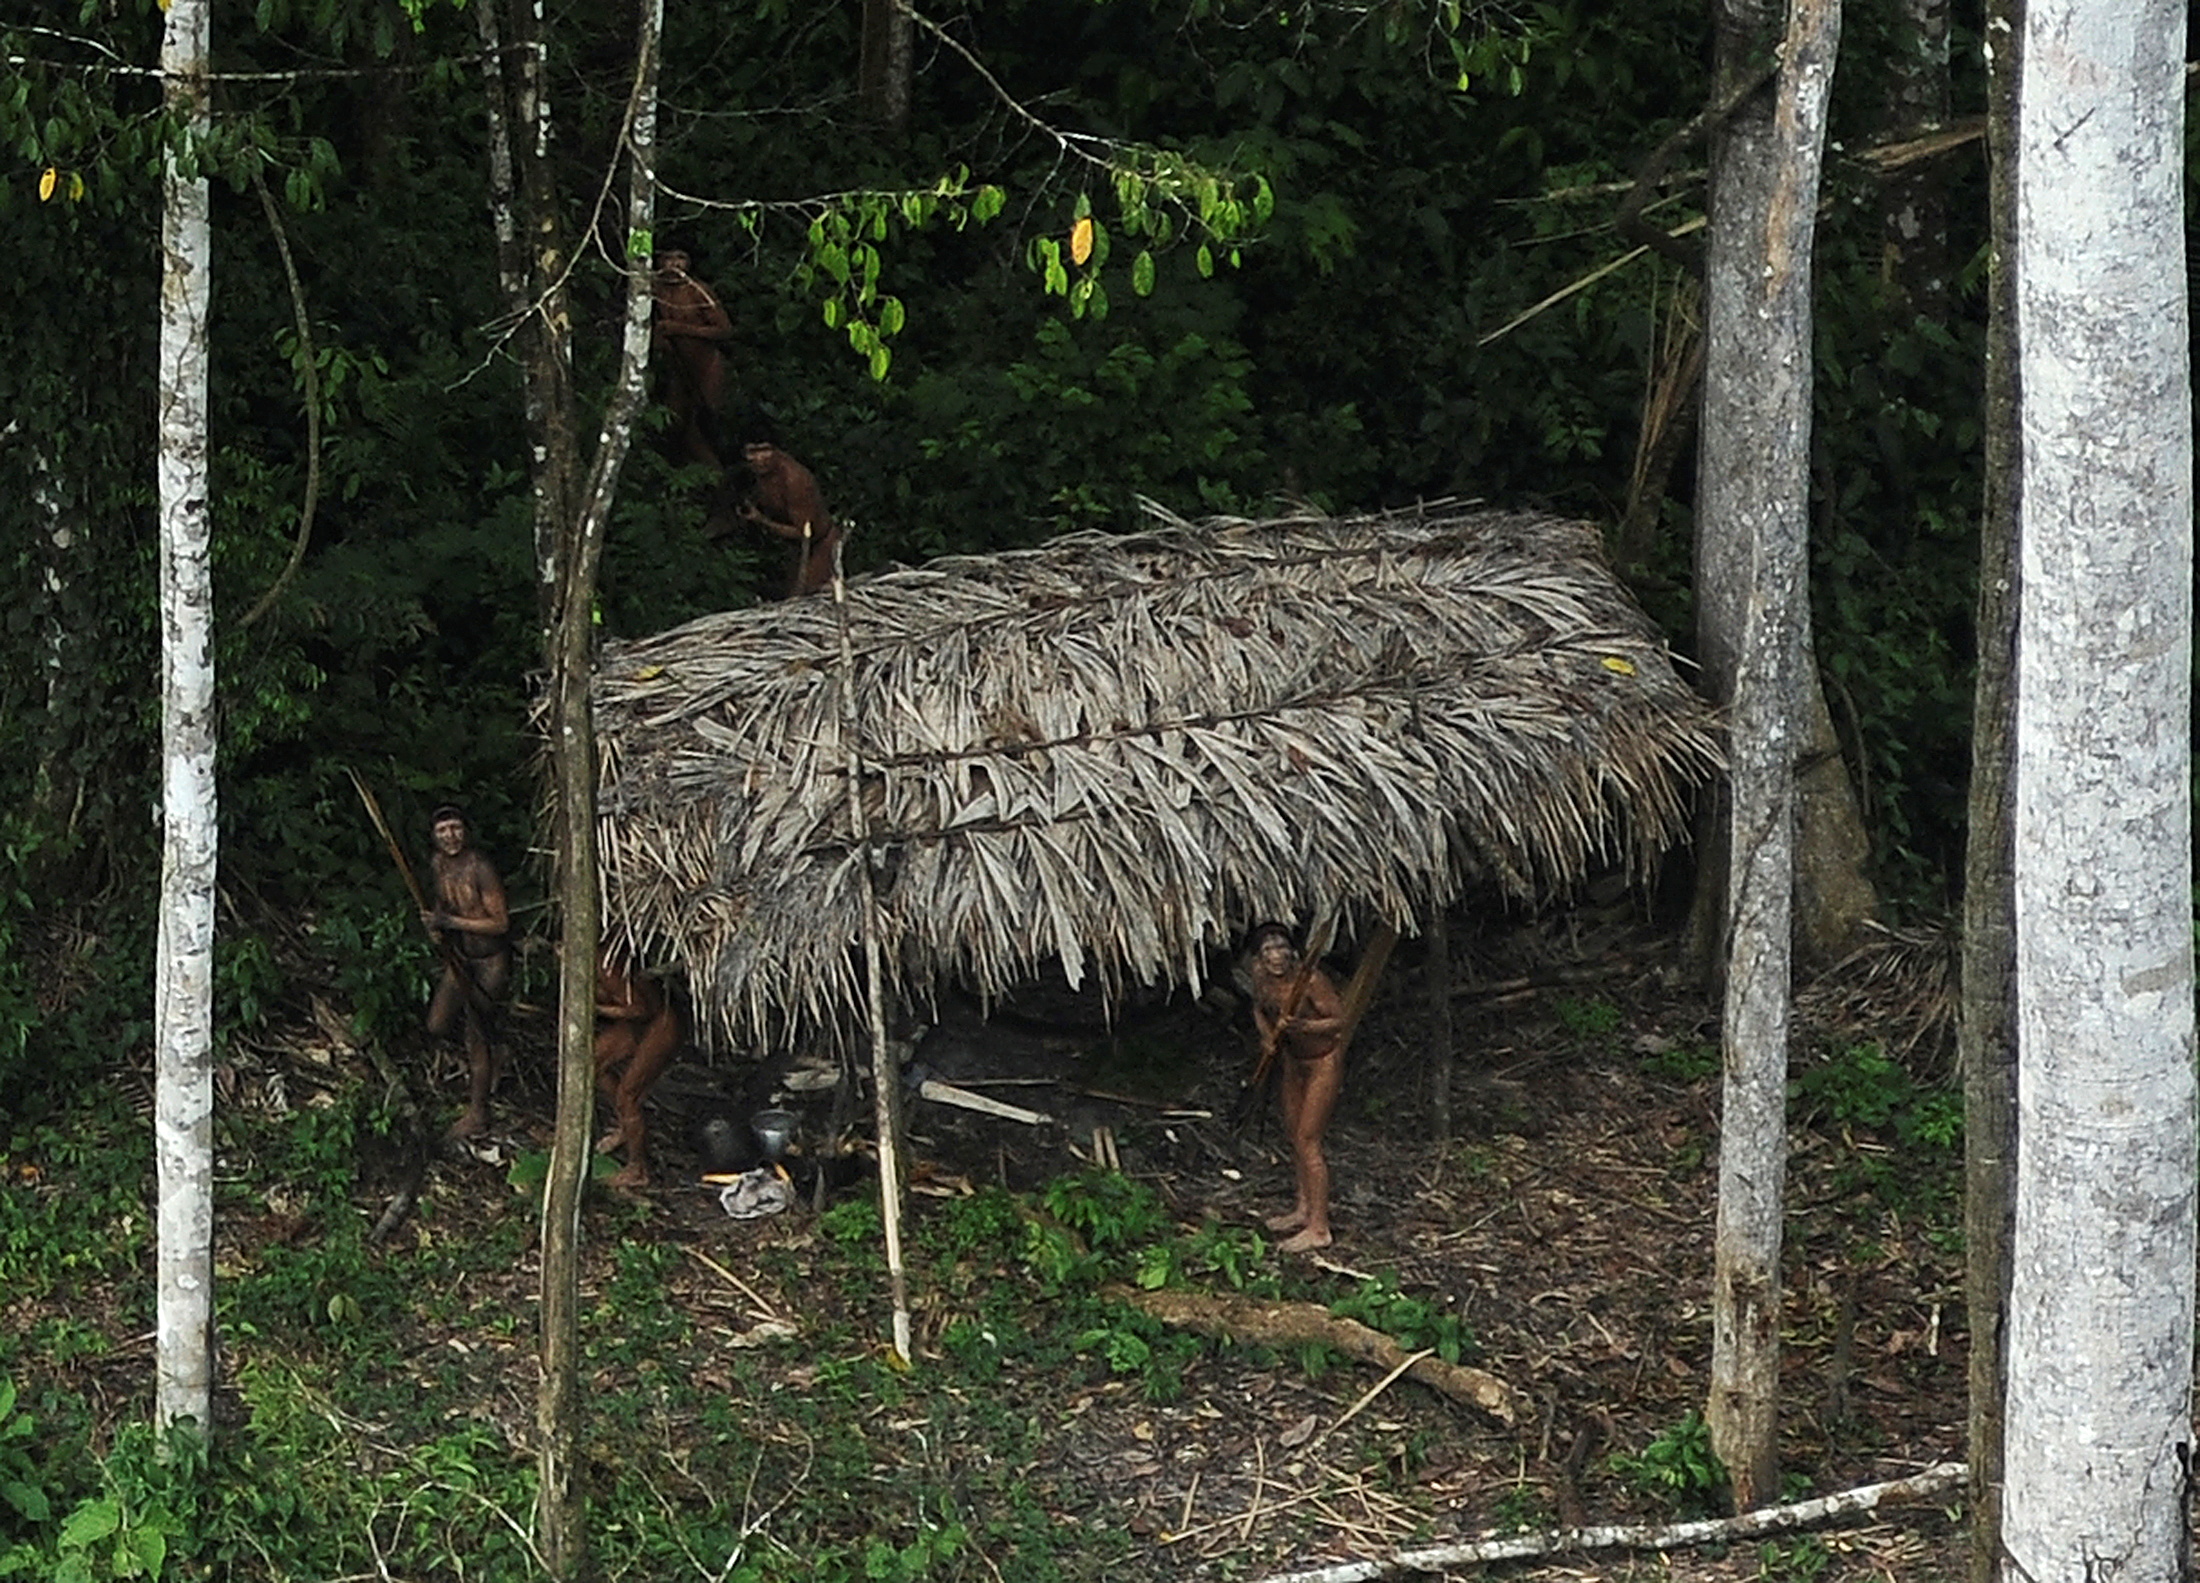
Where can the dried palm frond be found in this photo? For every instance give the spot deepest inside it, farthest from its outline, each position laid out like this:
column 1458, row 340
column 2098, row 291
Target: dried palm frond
column 1120, row 751
column 1899, row 987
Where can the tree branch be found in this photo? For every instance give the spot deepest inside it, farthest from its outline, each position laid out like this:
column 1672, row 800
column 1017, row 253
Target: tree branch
column 310, row 365
column 1629, row 220
column 1940, row 1477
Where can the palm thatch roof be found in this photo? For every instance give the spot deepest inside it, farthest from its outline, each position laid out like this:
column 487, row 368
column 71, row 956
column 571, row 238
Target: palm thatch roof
column 1123, row 751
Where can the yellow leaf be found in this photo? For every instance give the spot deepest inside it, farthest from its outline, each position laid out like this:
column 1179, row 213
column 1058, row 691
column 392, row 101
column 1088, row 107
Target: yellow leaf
column 76, row 187
column 649, row 673
column 1618, row 666
column 46, row 184
column 1080, row 240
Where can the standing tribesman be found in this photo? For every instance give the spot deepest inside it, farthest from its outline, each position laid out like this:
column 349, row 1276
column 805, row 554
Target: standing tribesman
column 636, row 1032
column 1305, row 1030
column 470, row 917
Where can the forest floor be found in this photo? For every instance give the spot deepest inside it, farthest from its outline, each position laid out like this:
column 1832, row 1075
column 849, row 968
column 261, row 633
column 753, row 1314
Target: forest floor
column 1560, row 1240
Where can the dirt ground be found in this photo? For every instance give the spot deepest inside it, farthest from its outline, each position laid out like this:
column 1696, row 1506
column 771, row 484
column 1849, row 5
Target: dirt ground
column 1568, row 1222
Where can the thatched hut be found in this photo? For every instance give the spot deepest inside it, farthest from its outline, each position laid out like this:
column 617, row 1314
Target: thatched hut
column 1119, row 752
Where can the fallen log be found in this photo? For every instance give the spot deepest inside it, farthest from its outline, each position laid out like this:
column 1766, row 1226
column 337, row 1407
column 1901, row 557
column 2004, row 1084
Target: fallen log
column 1275, row 1324
column 1935, row 1480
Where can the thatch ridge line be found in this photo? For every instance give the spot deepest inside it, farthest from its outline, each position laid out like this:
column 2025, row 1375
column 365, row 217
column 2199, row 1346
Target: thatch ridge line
column 1420, row 540
column 1407, row 689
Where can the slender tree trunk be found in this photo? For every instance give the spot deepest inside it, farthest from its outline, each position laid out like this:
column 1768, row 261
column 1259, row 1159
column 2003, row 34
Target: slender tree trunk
column 573, row 755
column 1913, row 209
column 1754, row 496
column 183, row 1009
column 532, row 263
column 888, row 67
column 1751, row 151
column 1987, row 1020
column 2101, row 1299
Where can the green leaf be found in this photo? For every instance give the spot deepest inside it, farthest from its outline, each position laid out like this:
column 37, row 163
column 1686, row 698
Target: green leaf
column 832, row 313
column 152, row 1549
column 1206, row 262
column 28, row 1499
column 1083, row 207
column 891, row 316
column 882, row 358
column 1142, row 272
column 90, row 1523
column 988, row 203
column 639, row 245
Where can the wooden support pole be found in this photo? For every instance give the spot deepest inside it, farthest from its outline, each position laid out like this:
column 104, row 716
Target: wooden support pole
column 1440, row 1030
column 885, row 1071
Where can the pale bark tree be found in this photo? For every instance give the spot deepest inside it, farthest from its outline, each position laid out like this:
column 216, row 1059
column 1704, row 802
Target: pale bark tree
column 1987, row 1015
column 1753, row 495
column 2101, row 1298
column 183, row 1002
column 1833, row 894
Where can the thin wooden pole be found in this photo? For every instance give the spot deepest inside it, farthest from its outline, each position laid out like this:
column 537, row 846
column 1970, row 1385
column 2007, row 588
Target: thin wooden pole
column 1440, row 1029
column 885, row 1072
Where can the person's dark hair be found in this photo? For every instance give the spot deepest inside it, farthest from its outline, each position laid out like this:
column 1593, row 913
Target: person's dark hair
column 447, row 810
column 1263, row 931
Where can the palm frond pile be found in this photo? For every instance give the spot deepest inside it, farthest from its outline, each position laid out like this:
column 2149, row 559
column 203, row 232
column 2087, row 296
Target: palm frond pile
column 1122, row 751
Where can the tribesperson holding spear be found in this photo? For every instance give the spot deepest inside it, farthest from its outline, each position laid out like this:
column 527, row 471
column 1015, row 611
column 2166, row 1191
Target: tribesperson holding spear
column 1302, row 1020
column 471, row 925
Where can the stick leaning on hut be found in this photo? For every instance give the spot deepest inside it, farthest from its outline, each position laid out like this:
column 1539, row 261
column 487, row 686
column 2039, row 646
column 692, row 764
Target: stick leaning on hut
column 1120, row 751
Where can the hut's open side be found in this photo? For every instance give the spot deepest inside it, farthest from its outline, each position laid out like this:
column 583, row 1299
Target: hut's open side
column 1122, row 751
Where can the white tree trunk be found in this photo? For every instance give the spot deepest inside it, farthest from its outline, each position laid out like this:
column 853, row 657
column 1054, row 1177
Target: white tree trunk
column 183, row 1006
column 2101, row 1302
column 1755, row 498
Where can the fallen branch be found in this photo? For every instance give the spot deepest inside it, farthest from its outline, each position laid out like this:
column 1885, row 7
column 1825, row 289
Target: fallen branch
column 1273, row 1324
column 1934, row 1480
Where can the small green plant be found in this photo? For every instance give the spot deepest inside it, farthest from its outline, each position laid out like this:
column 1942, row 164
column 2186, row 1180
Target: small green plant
column 1110, row 1210
column 986, row 1224
column 1678, row 1467
column 129, row 1529
column 853, row 1222
column 1234, row 1253
column 1688, row 1061
column 1589, row 1020
column 22, row 1485
column 1521, row 1509
column 246, row 982
column 1799, row 1561
column 1415, row 1323
column 1056, row 1259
